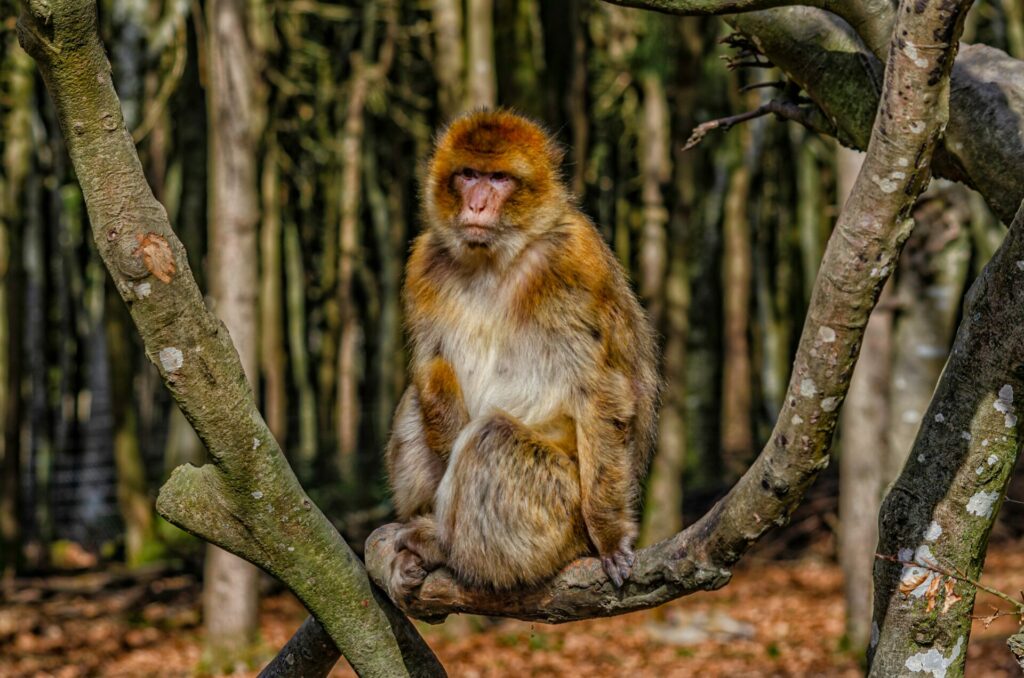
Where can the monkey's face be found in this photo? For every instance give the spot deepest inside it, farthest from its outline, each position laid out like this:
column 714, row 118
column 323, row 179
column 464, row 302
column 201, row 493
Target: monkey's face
column 482, row 196
column 492, row 183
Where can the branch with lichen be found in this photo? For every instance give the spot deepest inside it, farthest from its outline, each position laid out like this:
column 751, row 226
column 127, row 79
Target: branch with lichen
column 860, row 256
column 247, row 500
column 941, row 509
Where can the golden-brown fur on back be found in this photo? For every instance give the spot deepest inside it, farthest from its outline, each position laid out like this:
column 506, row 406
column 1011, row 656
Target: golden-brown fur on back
column 533, row 372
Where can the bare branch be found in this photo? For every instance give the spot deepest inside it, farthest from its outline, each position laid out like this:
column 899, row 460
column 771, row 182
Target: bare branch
column 808, row 116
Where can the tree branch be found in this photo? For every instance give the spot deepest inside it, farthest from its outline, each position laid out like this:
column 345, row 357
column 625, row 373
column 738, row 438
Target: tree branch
column 861, row 252
column 248, row 500
column 943, row 506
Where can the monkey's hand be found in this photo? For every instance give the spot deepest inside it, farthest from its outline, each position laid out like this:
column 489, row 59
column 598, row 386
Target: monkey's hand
column 619, row 563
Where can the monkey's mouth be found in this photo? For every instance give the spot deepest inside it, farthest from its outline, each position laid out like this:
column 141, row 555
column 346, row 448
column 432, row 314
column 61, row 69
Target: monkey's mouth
column 477, row 234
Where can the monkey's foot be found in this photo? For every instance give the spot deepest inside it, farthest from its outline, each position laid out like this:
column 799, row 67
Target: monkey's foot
column 407, row 574
column 618, row 564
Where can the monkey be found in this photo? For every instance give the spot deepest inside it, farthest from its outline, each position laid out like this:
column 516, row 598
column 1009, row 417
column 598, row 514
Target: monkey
column 525, row 432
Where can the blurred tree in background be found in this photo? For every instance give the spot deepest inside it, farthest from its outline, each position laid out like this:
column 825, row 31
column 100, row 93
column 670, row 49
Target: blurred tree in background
column 308, row 121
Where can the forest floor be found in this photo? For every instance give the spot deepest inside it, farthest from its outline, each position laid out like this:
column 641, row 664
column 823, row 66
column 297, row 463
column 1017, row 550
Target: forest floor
column 774, row 619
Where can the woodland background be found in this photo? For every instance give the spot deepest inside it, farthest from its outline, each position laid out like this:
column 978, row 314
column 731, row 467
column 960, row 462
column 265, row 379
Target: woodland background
column 722, row 242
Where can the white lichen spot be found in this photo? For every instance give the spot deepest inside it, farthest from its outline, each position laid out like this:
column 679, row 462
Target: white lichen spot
column 876, row 633
column 257, row 494
column 142, row 290
column 797, row 420
column 933, row 532
column 885, row 184
column 826, row 334
column 917, row 126
column 918, row 60
column 992, row 460
column 981, row 504
column 910, row 416
column 940, row 417
column 984, row 443
column 808, row 388
column 934, row 662
column 291, row 549
column 171, row 359
column 966, row 435
column 1004, row 404
column 256, row 442
column 921, row 458
column 958, row 146
column 829, row 404
column 903, row 162
column 979, row 470
column 1020, row 264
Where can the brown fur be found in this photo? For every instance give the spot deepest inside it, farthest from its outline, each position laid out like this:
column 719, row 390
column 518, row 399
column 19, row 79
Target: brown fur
column 524, row 437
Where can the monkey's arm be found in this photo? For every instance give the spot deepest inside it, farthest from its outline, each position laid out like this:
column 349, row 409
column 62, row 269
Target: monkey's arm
column 607, row 476
column 441, row 404
column 428, row 418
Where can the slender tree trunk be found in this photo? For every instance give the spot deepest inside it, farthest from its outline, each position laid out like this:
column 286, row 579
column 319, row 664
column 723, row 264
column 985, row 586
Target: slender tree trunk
column 230, row 597
column 932, row 272
column 449, row 66
column 482, row 80
column 17, row 161
column 133, row 498
column 272, row 352
column 667, row 300
column 737, row 396
column 864, row 448
column 298, row 351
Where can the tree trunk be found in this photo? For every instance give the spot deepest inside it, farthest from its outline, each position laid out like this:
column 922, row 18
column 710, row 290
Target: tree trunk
column 449, row 66
column 482, row 80
column 231, row 596
column 737, row 396
column 17, row 161
column 863, row 455
column 932, row 272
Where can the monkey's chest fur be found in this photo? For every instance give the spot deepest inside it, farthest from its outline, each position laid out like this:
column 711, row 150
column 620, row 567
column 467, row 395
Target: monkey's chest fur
column 509, row 364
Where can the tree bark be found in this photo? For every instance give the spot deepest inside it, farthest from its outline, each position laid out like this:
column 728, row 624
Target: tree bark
column 737, row 273
column 231, row 585
column 937, row 517
column 932, row 273
column 863, row 455
column 17, row 160
column 238, row 501
column 481, row 78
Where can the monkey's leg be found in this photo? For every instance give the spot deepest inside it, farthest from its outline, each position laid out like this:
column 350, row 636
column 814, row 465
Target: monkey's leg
column 417, row 553
column 414, row 470
column 508, row 509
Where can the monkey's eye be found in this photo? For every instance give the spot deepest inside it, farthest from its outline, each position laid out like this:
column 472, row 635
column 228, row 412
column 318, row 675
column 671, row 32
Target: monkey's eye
column 500, row 176
column 469, row 173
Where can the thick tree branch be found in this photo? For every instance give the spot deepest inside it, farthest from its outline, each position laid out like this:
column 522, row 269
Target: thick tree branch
column 860, row 255
column 248, row 500
column 943, row 506
column 871, row 19
column 984, row 140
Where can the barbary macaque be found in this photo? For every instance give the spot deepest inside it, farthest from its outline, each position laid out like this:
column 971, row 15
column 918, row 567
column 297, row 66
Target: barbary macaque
column 525, row 434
